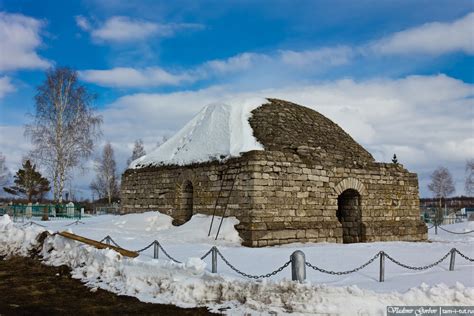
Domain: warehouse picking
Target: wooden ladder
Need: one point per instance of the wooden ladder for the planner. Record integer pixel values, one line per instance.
(224, 174)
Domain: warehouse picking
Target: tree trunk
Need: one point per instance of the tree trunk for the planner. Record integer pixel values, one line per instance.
(45, 216)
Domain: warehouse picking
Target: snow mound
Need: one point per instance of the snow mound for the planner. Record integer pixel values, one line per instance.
(15, 240)
(149, 222)
(5, 219)
(188, 285)
(197, 229)
(218, 131)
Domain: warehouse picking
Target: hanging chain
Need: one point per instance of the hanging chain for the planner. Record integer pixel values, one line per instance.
(143, 249)
(166, 254)
(463, 255)
(253, 276)
(344, 272)
(113, 242)
(459, 233)
(418, 268)
(206, 254)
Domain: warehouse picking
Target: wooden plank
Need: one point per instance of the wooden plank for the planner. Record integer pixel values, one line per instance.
(99, 245)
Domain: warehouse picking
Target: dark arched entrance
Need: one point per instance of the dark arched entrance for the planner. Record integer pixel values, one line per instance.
(349, 215)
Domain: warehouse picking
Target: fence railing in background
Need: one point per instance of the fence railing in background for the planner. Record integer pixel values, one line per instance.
(448, 231)
(20, 212)
(113, 209)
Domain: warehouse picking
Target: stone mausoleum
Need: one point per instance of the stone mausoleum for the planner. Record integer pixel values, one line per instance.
(311, 183)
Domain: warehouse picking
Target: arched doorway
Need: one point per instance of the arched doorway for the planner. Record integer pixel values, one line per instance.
(187, 201)
(349, 215)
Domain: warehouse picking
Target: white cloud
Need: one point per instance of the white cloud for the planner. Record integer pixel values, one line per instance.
(425, 120)
(235, 63)
(287, 61)
(13, 145)
(83, 23)
(20, 38)
(5, 86)
(156, 76)
(332, 56)
(430, 38)
(130, 77)
(126, 29)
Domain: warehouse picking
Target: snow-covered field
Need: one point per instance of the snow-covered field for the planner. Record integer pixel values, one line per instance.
(192, 284)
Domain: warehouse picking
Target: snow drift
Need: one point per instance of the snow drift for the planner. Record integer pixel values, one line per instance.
(189, 284)
(218, 131)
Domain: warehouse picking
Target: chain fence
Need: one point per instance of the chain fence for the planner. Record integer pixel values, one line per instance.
(250, 276)
(429, 266)
(344, 272)
(146, 248)
(449, 231)
(166, 254)
(215, 252)
(108, 240)
(206, 254)
(463, 255)
(459, 233)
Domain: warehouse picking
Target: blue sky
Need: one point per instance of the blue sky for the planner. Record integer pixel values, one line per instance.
(397, 75)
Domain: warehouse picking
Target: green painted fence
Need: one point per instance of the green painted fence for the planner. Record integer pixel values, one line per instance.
(58, 211)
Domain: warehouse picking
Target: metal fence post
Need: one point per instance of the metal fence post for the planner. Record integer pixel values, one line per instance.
(436, 228)
(214, 259)
(298, 266)
(156, 249)
(382, 267)
(452, 259)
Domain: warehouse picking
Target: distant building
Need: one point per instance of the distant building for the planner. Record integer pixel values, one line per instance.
(466, 211)
(462, 206)
(311, 183)
(456, 202)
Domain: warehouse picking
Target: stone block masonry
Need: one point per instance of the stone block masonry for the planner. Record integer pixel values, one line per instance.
(280, 199)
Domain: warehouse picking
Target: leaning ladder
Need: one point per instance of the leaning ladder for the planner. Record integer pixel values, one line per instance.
(226, 203)
(224, 173)
(217, 201)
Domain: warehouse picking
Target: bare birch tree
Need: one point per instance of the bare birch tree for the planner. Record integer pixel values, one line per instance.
(469, 183)
(105, 183)
(64, 126)
(442, 185)
(138, 151)
(4, 172)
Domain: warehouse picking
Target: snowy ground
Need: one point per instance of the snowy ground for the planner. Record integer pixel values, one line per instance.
(191, 283)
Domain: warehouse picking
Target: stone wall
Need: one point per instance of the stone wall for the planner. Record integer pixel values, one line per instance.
(296, 201)
(166, 189)
(280, 198)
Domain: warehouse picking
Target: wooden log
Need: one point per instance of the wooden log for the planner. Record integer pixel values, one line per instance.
(99, 245)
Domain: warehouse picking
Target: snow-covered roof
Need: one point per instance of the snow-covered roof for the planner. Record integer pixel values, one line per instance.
(220, 130)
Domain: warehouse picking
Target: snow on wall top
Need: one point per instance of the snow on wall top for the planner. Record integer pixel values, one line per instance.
(218, 131)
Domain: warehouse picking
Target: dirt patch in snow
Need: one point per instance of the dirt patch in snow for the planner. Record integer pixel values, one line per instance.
(31, 288)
